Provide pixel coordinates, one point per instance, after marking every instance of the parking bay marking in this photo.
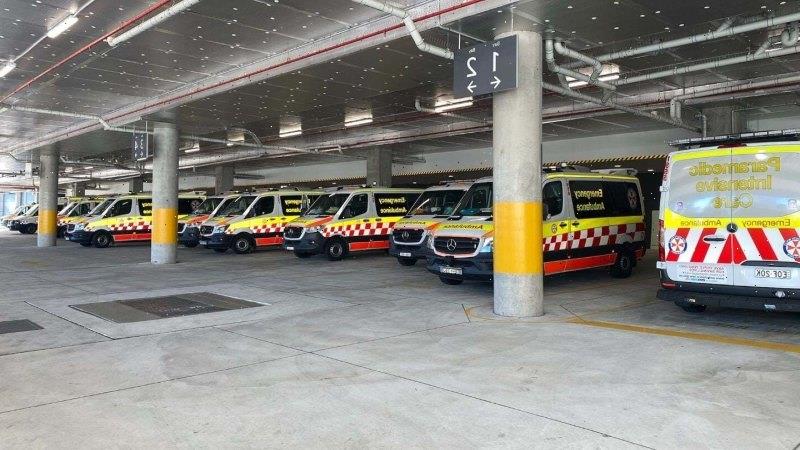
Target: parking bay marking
(764, 345)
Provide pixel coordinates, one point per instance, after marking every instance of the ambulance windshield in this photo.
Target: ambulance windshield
(436, 203)
(208, 206)
(101, 207)
(66, 209)
(327, 205)
(237, 207)
(477, 202)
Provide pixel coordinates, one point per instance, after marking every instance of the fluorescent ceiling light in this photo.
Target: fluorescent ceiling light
(357, 122)
(610, 72)
(8, 67)
(449, 105)
(62, 26)
(286, 134)
(192, 150)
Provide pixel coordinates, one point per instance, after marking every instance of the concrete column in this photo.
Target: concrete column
(48, 197)
(164, 245)
(517, 154)
(77, 190)
(136, 185)
(379, 167)
(223, 179)
(724, 120)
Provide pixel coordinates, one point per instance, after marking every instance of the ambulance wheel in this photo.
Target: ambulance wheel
(243, 244)
(60, 232)
(29, 228)
(691, 307)
(101, 239)
(623, 266)
(302, 255)
(450, 281)
(408, 262)
(336, 249)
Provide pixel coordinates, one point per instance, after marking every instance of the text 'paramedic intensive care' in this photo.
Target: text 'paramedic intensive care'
(754, 182)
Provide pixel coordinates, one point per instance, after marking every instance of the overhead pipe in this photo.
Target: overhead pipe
(151, 22)
(562, 50)
(418, 106)
(611, 104)
(409, 23)
(550, 57)
(698, 38)
(790, 36)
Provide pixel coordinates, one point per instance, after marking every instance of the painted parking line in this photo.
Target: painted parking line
(764, 345)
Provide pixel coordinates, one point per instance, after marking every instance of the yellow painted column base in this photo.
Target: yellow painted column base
(48, 222)
(165, 226)
(518, 238)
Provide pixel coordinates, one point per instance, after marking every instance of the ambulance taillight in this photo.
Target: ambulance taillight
(662, 252)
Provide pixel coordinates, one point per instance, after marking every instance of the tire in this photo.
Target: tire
(102, 239)
(220, 250)
(691, 307)
(29, 228)
(60, 232)
(623, 266)
(303, 255)
(450, 281)
(408, 262)
(243, 244)
(336, 249)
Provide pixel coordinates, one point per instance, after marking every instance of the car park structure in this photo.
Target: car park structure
(654, 141)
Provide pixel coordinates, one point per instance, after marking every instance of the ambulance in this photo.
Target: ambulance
(127, 218)
(730, 223)
(408, 241)
(254, 220)
(27, 222)
(189, 227)
(69, 228)
(5, 220)
(592, 219)
(73, 211)
(350, 219)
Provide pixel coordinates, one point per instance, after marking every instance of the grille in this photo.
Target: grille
(456, 245)
(71, 227)
(206, 229)
(292, 232)
(409, 236)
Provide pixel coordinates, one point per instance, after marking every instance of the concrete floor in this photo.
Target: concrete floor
(365, 353)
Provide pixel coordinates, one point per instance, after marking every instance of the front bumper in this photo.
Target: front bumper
(216, 241)
(409, 251)
(308, 243)
(13, 225)
(189, 237)
(81, 236)
(740, 297)
(476, 268)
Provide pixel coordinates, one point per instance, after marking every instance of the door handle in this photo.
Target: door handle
(713, 239)
(563, 224)
(378, 220)
(365, 220)
(575, 224)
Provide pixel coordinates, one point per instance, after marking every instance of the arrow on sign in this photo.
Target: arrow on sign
(496, 82)
(471, 86)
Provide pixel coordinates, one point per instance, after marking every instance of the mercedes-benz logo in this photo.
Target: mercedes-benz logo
(405, 235)
(451, 244)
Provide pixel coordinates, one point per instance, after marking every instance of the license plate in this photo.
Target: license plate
(450, 270)
(776, 274)
(290, 248)
(203, 242)
(405, 254)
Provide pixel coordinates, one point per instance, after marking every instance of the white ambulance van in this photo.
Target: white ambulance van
(730, 223)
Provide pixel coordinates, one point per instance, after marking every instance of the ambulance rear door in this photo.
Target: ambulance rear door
(763, 240)
(696, 217)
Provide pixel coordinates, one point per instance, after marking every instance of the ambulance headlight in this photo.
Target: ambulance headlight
(79, 226)
(220, 228)
(488, 245)
(313, 229)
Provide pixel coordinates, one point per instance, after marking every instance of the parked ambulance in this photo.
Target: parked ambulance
(97, 210)
(128, 218)
(254, 220)
(75, 209)
(591, 220)
(730, 223)
(410, 234)
(350, 219)
(27, 222)
(189, 227)
(5, 220)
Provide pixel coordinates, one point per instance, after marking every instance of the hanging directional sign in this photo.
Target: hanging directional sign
(486, 68)
(141, 146)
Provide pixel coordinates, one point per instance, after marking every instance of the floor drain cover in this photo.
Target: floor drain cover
(152, 308)
(15, 326)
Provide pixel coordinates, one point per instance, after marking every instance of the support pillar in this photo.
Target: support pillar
(724, 120)
(48, 197)
(379, 167)
(136, 186)
(164, 246)
(223, 179)
(517, 155)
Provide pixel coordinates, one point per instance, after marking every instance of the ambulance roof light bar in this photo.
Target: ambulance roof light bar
(728, 139)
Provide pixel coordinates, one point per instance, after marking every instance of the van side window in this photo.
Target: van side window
(188, 205)
(291, 205)
(357, 206)
(263, 206)
(145, 207)
(589, 198)
(553, 197)
(625, 199)
(120, 208)
(394, 204)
